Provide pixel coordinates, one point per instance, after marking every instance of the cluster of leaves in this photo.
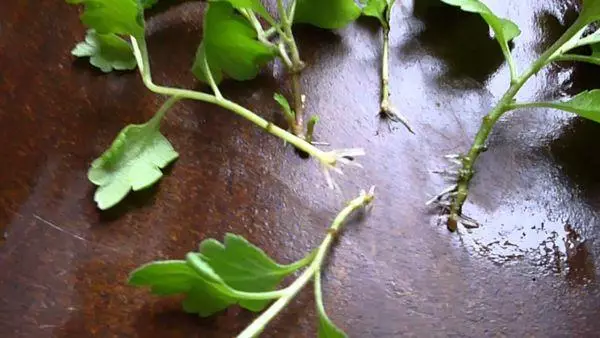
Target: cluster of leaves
(585, 104)
(220, 275)
(235, 45)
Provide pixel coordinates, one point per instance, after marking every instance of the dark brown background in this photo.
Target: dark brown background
(397, 272)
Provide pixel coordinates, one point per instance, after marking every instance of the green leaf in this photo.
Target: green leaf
(504, 29)
(330, 14)
(113, 16)
(285, 106)
(244, 267)
(203, 297)
(376, 9)
(133, 161)
(148, 3)
(327, 329)
(255, 5)
(585, 104)
(590, 11)
(165, 277)
(106, 51)
(230, 46)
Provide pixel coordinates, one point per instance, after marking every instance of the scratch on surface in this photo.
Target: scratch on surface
(74, 235)
(56, 227)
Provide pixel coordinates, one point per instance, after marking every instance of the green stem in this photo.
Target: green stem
(162, 111)
(295, 67)
(211, 79)
(578, 58)
(140, 52)
(386, 108)
(261, 322)
(504, 105)
(319, 294)
(196, 263)
(304, 261)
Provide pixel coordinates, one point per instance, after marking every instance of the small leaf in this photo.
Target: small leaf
(106, 51)
(113, 16)
(330, 14)
(285, 106)
(230, 46)
(504, 29)
(585, 104)
(244, 267)
(376, 9)
(310, 128)
(133, 161)
(173, 277)
(165, 277)
(327, 329)
(255, 5)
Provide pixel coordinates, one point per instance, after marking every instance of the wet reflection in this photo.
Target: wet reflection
(461, 39)
(575, 151)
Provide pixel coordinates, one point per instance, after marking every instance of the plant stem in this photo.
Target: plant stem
(295, 67)
(466, 172)
(140, 52)
(386, 108)
(261, 322)
(580, 58)
(162, 111)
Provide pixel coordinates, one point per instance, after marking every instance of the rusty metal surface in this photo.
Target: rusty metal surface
(529, 271)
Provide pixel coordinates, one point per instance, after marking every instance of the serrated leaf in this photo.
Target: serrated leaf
(376, 9)
(106, 51)
(244, 267)
(113, 16)
(255, 5)
(174, 277)
(230, 46)
(330, 14)
(504, 29)
(133, 161)
(585, 104)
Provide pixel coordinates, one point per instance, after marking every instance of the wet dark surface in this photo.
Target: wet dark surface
(529, 271)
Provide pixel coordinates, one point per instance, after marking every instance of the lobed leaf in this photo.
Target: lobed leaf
(133, 161)
(504, 29)
(243, 267)
(204, 296)
(106, 51)
(229, 46)
(585, 104)
(330, 14)
(113, 16)
(212, 277)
